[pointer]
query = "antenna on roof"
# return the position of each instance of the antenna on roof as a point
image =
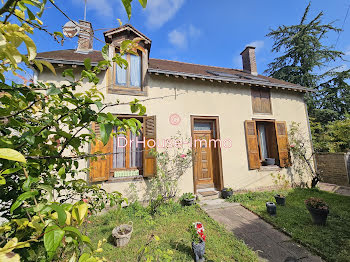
(71, 29)
(85, 10)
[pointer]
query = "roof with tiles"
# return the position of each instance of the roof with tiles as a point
(161, 66)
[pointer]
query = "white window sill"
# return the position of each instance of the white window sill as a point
(263, 116)
(270, 168)
(125, 179)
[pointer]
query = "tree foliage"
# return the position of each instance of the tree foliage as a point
(304, 56)
(333, 137)
(44, 129)
(303, 50)
(332, 100)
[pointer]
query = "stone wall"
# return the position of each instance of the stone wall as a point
(334, 168)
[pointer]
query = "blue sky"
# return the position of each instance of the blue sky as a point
(200, 31)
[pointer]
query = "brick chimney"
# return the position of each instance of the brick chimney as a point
(249, 61)
(86, 36)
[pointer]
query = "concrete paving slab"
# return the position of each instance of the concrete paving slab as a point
(299, 251)
(269, 243)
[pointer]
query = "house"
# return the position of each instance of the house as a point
(248, 113)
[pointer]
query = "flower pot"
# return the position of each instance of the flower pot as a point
(121, 234)
(271, 208)
(319, 216)
(280, 200)
(188, 201)
(226, 193)
(270, 161)
(198, 251)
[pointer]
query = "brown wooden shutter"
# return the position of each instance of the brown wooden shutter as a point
(282, 143)
(252, 144)
(261, 100)
(149, 160)
(256, 101)
(265, 101)
(99, 169)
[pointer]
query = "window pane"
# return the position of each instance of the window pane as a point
(262, 139)
(119, 151)
(204, 126)
(136, 150)
(121, 74)
(135, 70)
(200, 126)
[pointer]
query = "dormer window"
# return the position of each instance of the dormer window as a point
(133, 79)
(129, 77)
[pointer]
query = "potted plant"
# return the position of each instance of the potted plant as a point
(198, 241)
(121, 234)
(226, 192)
(269, 161)
(188, 199)
(280, 199)
(318, 209)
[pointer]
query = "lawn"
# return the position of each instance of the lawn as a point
(332, 241)
(170, 223)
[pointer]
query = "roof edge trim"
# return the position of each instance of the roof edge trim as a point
(227, 79)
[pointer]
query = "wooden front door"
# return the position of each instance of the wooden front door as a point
(203, 164)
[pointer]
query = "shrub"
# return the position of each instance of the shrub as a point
(316, 203)
(188, 195)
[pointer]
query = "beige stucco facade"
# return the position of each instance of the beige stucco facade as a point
(231, 103)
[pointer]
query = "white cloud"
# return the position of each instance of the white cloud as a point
(180, 37)
(237, 61)
(161, 11)
(347, 50)
(103, 8)
(259, 44)
(193, 31)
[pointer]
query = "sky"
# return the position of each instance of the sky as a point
(204, 32)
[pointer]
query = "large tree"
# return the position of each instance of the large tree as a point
(332, 100)
(303, 50)
(303, 60)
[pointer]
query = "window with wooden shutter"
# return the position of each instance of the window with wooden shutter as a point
(99, 169)
(149, 160)
(282, 143)
(252, 144)
(261, 101)
(127, 150)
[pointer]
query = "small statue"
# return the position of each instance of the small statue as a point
(199, 250)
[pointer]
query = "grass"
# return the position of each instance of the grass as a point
(170, 223)
(332, 241)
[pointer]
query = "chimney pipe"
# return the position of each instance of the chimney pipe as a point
(249, 61)
(86, 36)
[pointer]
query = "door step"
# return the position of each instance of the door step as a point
(208, 195)
(203, 186)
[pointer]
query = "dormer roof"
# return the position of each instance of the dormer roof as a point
(116, 32)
